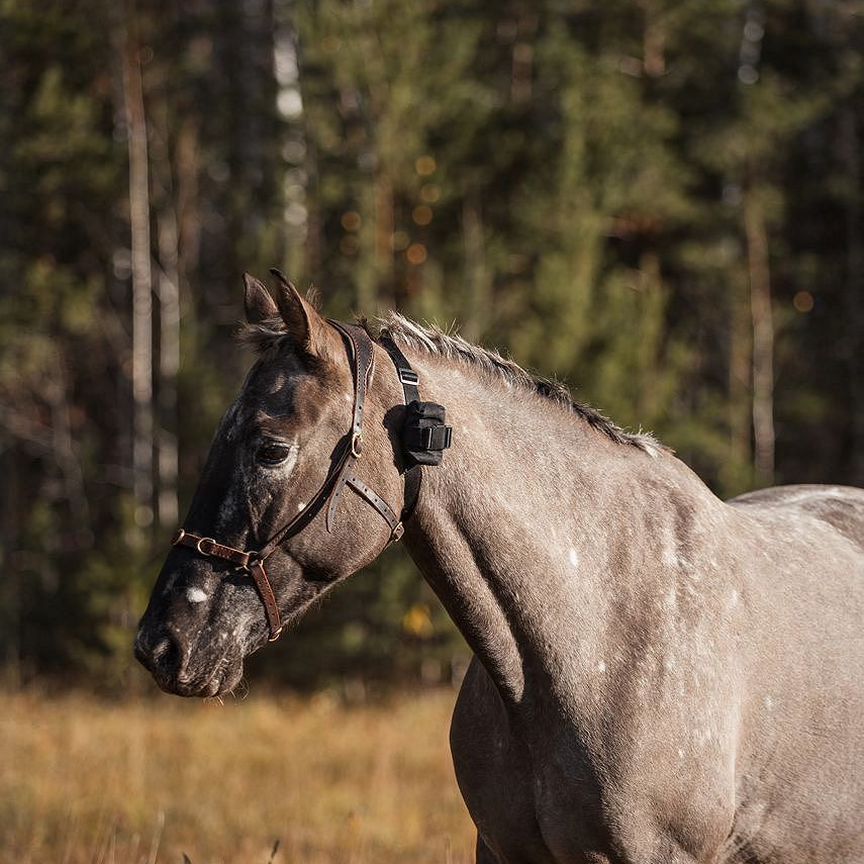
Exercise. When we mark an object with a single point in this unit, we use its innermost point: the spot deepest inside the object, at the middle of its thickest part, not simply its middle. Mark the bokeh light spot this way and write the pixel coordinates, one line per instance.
(351, 221)
(803, 301)
(425, 165)
(430, 193)
(400, 240)
(416, 253)
(422, 214)
(748, 74)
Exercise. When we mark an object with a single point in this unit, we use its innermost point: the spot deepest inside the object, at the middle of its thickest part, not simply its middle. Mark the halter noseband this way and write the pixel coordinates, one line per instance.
(424, 437)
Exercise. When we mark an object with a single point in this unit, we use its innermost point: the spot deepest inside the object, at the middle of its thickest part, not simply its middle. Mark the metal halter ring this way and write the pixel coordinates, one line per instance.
(356, 445)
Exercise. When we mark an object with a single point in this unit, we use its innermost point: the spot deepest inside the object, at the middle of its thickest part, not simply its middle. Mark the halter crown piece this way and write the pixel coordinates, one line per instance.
(424, 436)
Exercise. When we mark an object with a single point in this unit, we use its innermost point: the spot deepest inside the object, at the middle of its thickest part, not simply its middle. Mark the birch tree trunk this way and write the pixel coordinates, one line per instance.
(653, 40)
(740, 372)
(142, 310)
(166, 203)
(293, 140)
(385, 224)
(477, 283)
(169, 364)
(763, 335)
(851, 148)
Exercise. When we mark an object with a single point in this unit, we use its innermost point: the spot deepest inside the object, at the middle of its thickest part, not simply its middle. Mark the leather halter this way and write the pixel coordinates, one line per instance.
(361, 358)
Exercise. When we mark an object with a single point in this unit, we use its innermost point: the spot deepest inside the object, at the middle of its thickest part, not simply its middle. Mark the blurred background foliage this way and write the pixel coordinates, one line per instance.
(658, 201)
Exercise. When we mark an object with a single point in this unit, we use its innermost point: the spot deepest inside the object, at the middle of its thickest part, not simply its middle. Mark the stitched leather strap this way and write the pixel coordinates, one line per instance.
(268, 598)
(365, 492)
(362, 360)
(308, 513)
(208, 547)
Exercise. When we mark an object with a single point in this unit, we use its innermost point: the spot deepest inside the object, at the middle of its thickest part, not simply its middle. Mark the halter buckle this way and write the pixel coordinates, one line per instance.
(356, 445)
(199, 546)
(178, 537)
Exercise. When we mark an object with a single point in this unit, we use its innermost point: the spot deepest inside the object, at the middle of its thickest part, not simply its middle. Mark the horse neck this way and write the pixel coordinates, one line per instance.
(540, 534)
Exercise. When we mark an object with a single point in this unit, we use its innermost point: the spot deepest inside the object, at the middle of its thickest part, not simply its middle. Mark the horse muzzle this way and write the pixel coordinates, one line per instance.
(168, 657)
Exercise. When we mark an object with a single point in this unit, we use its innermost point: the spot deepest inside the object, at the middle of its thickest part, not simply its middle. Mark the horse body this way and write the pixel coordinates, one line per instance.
(659, 676)
(671, 677)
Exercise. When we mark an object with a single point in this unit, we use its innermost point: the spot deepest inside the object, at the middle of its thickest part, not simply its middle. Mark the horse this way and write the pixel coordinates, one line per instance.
(657, 675)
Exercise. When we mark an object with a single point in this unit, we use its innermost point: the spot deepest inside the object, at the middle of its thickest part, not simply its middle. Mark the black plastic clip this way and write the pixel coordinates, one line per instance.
(425, 434)
(409, 376)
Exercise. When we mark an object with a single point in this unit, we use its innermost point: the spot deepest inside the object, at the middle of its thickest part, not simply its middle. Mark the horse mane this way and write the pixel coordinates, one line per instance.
(452, 346)
(266, 337)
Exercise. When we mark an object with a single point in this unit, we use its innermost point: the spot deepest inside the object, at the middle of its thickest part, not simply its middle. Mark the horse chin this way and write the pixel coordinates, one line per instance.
(229, 680)
(224, 677)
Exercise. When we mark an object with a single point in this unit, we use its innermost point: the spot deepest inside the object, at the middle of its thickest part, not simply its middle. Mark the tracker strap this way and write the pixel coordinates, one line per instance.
(408, 378)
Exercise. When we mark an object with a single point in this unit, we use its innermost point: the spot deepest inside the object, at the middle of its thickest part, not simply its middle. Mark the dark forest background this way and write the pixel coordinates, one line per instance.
(659, 201)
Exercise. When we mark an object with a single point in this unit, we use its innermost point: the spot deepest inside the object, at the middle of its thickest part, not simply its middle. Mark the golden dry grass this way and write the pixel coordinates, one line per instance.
(90, 782)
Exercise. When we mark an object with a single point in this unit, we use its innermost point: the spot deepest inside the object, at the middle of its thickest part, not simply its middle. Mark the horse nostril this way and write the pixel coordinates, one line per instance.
(166, 654)
(162, 657)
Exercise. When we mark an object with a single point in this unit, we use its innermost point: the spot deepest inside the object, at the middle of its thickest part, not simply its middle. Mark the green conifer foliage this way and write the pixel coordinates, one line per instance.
(659, 202)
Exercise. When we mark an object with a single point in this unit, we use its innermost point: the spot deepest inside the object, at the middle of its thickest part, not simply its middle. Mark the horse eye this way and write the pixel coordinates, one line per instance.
(271, 453)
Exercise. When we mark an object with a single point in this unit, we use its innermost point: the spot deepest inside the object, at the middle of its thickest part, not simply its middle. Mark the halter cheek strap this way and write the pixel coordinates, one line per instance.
(361, 358)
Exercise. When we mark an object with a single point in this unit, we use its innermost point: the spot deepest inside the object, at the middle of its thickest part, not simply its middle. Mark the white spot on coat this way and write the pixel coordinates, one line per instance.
(574, 557)
(196, 595)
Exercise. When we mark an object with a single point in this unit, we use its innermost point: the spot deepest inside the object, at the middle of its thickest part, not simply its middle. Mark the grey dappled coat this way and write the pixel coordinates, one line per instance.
(659, 676)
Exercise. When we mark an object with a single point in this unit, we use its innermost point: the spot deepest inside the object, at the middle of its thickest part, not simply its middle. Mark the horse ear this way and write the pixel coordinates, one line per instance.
(257, 300)
(303, 324)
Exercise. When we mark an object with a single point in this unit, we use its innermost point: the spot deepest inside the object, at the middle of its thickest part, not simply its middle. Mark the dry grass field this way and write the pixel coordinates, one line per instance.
(84, 781)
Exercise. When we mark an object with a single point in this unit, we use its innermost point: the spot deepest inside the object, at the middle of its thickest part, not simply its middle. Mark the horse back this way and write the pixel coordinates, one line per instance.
(801, 756)
(841, 507)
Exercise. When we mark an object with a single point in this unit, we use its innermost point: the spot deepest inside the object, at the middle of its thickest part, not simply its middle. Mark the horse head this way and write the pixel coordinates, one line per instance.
(315, 417)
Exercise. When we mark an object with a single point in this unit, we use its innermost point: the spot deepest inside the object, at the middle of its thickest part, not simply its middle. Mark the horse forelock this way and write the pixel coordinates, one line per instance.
(265, 337)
